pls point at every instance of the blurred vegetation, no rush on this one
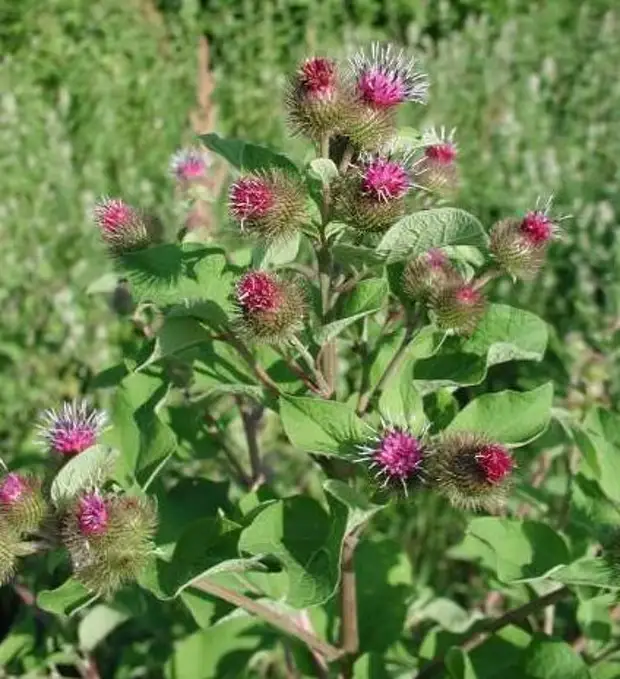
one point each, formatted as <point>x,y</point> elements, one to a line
<point>97,95</point>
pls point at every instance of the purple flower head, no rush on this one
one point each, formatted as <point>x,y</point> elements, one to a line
<point>259,291</point>
<point>189,165</point>
<point>113,215</point>
<point>439,146</point>
<point>251,197</point>
<point>386,78</point>
<point>92,515</point>
<point>395,456</point>
<point>538,227</point>
<point>12,488</point>
<point>384,179</point>
<point>73,428</point>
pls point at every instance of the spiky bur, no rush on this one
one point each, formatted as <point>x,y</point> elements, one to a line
<point>371,195</point>
<point>109,538</point>
<point>394,457</point>
<point>438,170</point>
<point>470,470</point>
<point>315,99</point>
<point>189,165</point>
<point>22,504</point>
<point>270,205</point>
<point>428,274</point>
<point>271,310</point>
<point>72,428</point>
<point>124,228</point>
<point>9,550</point>
<point>378,83</point>
<point>520,245</point>
<point>458,307</point>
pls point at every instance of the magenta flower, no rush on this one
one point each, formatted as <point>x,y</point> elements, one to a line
<point>73,428</point>
<point>259,291</point>
<point>113,215</point>
<point>436,259</point>
<point>395,456</point>
<point>251,197</point>
<point>189,165</point>
<point>439,146</point>
<point>92,515</point>
<point>386,78</point>
<point>384,179</point>
<point>467,295</point>
<point>495,462</point>
<point>12,488</point>
<point>317,76</point>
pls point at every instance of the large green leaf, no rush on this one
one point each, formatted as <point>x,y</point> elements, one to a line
<point>88,469</point>
<point>510,417</point>
<point>67,599</point>
<point>421,231</point>
<point>157,445</point>
<point>518,551</point>
<point>95,626</point>
<point>459,665</point>
<point>319,426</point>
<point>276,254</point>
<point>189,275</point>
<point>504,334</point>
<point>360,509</point>
<point>550,659</point>
<point>245,156</point>
<point>306,540</point>
<point>602,431</point>
<point>588,571</point>
<point>355,255</point>
<point>175,335</point>
<point>400,401</point>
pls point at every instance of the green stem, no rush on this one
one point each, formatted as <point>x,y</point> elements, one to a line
<point>349,638</point>
<point>311,363</point>
<point>255,366</point>
<point>251,418</point>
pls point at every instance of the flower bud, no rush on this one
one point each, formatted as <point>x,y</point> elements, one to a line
<point>109,538</point>
<point>371,195</point>
<point>71,429</point>
<point>458,306</point>
<point>429,272</point>
<point>438,170</point>
<point>9,549</point>
<point>379,82</point>
<point>394,457</point>
<point>520,245</point>
<point>314,99</point>
<point>270,205</point>
<point>123,228</point>
<point>271,309</point>
<point>189,165</point>
<point>22,504</point>
<point>471,471</point>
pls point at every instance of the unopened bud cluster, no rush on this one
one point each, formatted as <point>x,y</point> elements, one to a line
<point>471,471</point>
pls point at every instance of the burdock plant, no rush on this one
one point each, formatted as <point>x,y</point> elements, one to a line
<point>332,352</point>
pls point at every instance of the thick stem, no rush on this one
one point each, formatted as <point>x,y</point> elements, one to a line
<point>349,638</point>
<point>513,616</point>
<point>284,623</point>
<point>297,370</point>
<point>310,362</point>
<point>329,356</point>
<point>251,419</point>
<point>256,367</point>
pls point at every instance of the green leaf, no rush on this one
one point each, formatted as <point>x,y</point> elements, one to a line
<point>157,445</point>
<point>547,659</point>
<point>276,254</point>
<point>218,368</point>
<point>510,417</point>
<point>449,615</point>
<point>323,169</point>
<point>189,275</point>
<point>319,426</point>
<point>588,571</point>
<point>306,540</point>
<point>90,468</point>
<point>19,640</point>
<point>367,296</point>
<point>521,551</point>
<point>95,626</point>
<point>417,233</point>
<point>245,156</point>
<point>103,285</point>
<point>175,335</point>
<point>65,600</point>
<point>504,334</point>
<point>459,665</point>
<point>400,401</point>
<point>360,509</point>
<point>602,429</point>
<point>355,255</point>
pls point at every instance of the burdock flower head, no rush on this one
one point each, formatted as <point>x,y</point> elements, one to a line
<point>72,429</point>
<point>22,504</point>
<point>378,83</point>
<point>314,99</point>
<point>109,538</point>
<point>189,165</point>
<point>428,273</point>
<point>458,306</point>
<point>438,170</point>
<point>520,245</point>
<point>270,205</point>
<point>124,228</point>
<point>472,471</point>
<point>9,549</point>
<point>271,309</point>
<point>394,457</point>
<point>371,195</point>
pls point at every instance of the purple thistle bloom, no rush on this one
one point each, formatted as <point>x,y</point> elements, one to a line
<point>92,515</point>
<point>189,164</point>
<point>12,488</point>
<point>387,78</point>
<point>384,179</point>
<point>73,428</point>
<point>396,456</point>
